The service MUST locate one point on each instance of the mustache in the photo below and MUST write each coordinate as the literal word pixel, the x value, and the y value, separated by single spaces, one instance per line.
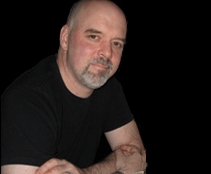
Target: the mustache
pixel 102 61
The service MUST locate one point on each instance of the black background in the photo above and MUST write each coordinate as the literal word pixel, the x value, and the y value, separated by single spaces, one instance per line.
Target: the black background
pixel 30 32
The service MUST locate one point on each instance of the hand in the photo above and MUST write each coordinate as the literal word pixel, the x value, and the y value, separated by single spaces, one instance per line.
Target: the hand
pixel 57 166
pixel 130 160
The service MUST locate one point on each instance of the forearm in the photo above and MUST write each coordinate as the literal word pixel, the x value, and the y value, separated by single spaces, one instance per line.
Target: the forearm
pixel 108 165
pixel 127 160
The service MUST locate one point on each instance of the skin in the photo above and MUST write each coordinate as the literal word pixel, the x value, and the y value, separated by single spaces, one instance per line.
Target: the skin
pixel 90 38
pixel 92 44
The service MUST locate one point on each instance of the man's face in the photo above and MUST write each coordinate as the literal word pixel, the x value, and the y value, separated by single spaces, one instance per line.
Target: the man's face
pixel 95 46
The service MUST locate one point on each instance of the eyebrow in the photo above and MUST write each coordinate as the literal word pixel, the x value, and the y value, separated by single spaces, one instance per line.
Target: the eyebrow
pixel 92 31
pixel 99 32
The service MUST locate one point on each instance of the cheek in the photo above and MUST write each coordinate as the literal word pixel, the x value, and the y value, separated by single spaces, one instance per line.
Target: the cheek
pixel 116 61
pixel 87 50
pixel 83 52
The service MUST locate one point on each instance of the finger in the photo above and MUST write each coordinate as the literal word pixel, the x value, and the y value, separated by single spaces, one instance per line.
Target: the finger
pixel 126 153
pixel 116 148
pixel 143 152
pixel 129 148
pixel 60 169
pixel 47 165
pixel 119 152
pixel 125 147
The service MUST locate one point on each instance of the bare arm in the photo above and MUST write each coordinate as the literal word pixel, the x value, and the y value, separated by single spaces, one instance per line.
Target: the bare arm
pixel 128 139
pixel 128 163
pixel 108 165
pixel 127 134
pixel 58 166
pixel 18 169
pixel 128 155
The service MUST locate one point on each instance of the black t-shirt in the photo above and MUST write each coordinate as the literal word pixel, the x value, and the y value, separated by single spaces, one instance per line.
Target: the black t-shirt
pixel 42 119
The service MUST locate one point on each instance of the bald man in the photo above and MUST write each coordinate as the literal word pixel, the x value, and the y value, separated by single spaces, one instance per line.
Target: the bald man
pixel 54 115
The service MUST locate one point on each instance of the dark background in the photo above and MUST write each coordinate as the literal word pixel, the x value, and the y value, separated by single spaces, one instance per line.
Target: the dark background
pixel 30 32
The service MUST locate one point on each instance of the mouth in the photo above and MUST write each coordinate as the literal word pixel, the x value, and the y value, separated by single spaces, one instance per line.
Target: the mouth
pixel 100 66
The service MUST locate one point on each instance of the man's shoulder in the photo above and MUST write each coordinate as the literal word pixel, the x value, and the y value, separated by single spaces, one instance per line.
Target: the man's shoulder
pixel 37 78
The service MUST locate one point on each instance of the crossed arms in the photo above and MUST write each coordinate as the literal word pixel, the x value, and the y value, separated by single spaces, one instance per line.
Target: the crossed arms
pixel 128 157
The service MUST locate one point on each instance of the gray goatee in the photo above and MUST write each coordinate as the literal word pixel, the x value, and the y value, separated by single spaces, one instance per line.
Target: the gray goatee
pixel 96 80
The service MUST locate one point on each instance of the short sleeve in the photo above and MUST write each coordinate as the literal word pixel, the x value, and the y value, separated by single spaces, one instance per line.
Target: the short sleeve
pixel 28 128
pixel 119 112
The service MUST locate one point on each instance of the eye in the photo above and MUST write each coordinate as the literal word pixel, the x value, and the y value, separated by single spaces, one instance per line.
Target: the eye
pixel 93 37
pixel 118 44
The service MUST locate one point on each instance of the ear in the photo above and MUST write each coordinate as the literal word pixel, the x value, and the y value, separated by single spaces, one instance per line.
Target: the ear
pixel 64 33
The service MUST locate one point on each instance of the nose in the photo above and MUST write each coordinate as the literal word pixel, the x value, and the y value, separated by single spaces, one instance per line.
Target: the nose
pixel 105 50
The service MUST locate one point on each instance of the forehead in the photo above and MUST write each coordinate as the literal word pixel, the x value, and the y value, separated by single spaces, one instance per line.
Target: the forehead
pixel 102 17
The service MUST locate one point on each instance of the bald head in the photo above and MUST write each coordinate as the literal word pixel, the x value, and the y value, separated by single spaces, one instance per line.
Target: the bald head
pixel 91 44
pixel 83 9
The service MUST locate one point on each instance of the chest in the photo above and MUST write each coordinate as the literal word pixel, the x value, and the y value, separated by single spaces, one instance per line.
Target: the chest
pixel 80 129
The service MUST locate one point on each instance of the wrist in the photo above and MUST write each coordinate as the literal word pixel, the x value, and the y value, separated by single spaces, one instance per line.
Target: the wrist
pixel 108 165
